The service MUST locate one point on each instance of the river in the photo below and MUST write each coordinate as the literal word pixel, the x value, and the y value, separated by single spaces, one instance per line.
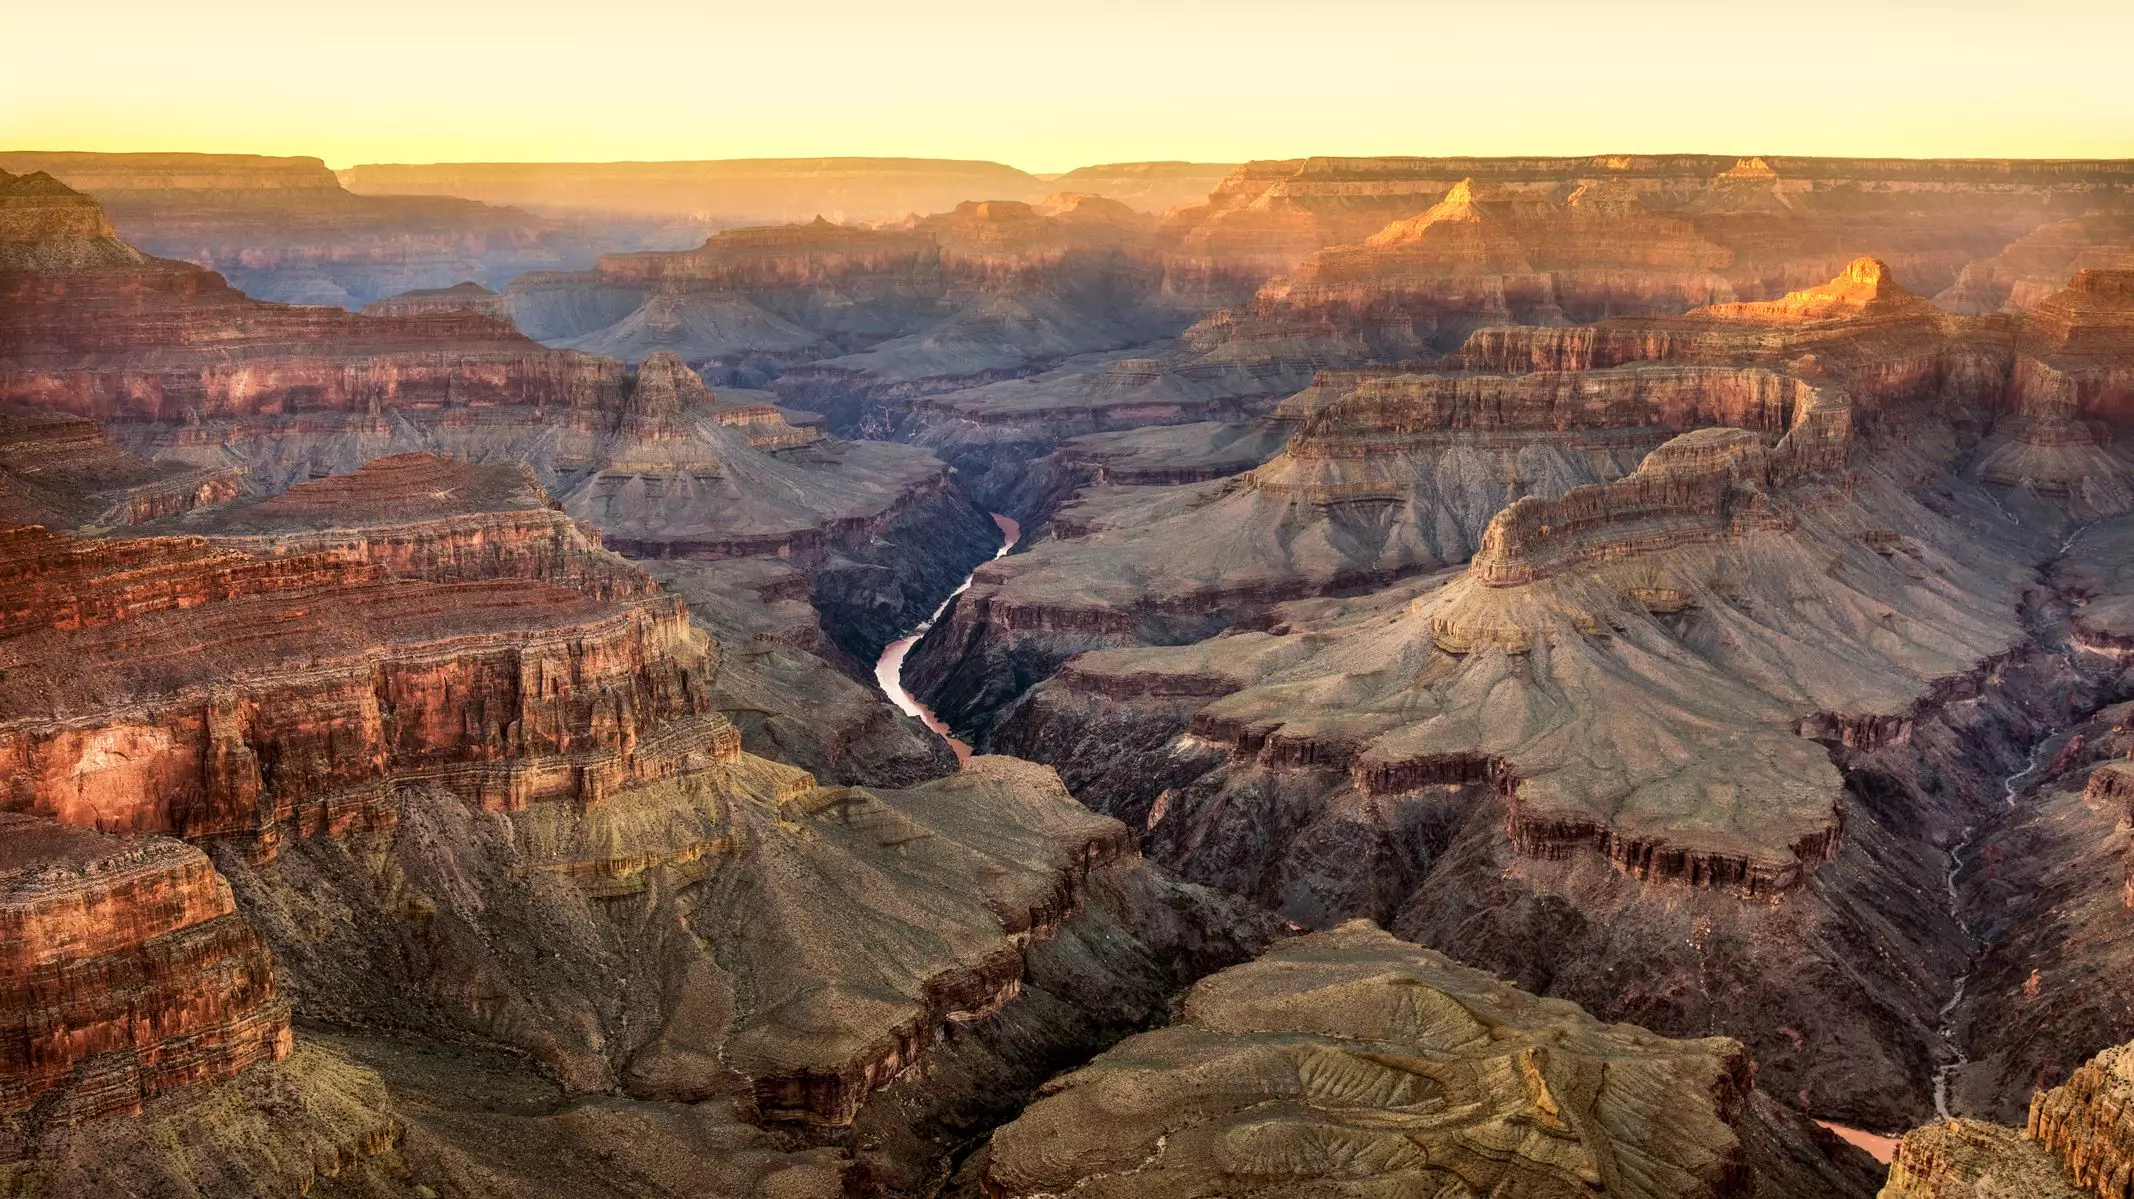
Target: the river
pixel 889 668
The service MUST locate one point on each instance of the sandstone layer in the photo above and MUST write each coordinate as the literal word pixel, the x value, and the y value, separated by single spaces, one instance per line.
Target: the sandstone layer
pixel 127 973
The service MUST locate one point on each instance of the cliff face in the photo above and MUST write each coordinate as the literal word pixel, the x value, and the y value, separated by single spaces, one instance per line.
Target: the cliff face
pixel 127 973
pixel 284 229
pixel 1426 1075
pixel 171 684
pixel 2073 381
pixel 158 341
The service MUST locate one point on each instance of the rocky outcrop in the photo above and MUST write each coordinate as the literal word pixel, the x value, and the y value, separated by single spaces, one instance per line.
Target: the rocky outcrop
pixel 1350 1055
pixel 1974 1159
pixel 2085 1123
pixel 127 973
pixel 166 684
pixel 2073 376
pixel 466 296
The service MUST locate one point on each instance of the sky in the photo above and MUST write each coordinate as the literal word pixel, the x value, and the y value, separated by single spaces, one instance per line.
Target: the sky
pixel 1050 86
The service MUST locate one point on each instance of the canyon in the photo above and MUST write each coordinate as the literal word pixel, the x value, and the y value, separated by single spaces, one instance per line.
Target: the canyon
pixel 1439 676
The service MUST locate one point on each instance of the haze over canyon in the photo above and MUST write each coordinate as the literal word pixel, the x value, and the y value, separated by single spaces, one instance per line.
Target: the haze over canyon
pixel 1365 676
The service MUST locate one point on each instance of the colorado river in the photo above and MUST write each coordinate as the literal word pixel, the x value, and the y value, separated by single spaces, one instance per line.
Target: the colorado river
pixel 889 668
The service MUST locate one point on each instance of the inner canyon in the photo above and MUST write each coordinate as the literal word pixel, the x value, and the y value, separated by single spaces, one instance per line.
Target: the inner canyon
pixel 815 678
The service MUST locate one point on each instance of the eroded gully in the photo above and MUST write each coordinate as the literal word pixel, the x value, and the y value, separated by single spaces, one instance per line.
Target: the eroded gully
pixel 889 668
pixel 1960 855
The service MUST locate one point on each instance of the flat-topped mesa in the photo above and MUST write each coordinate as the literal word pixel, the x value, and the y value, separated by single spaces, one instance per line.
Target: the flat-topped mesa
pixel 61 472
pixel 467 296
pixel 779 256
pixel 125 972
pixel 164 684
pixel 1339 442
pixel 1348 1060
pixel 421 516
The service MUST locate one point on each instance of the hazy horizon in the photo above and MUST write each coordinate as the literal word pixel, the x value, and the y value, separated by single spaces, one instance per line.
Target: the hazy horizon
pixel 1048 91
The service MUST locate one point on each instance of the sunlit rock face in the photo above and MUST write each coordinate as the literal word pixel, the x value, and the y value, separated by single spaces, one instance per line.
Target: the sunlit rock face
pixel 1348 1056
pixel 126 973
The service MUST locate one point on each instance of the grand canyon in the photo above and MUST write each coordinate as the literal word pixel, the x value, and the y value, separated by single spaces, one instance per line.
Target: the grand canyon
pixel 818 676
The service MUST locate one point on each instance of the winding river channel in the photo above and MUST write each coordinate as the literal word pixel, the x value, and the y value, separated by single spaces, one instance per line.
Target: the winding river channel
pixel 889 668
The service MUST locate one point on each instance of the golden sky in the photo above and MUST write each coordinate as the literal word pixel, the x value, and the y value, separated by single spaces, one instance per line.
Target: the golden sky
pixel 1058 83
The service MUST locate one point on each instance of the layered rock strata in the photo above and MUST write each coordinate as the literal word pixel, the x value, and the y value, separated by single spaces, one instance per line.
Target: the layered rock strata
pixel 127 973
pixel 1350 1057
pixel 2073 383
pixel 63 473
pixel 168 684
pixel 1392 472
pixel 1786 221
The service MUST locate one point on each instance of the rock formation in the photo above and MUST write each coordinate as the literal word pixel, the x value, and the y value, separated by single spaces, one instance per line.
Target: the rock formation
pixel 466 296
pixel 284 229
pixel 1349 1058
pixel 127 972
pixel 1390 472
pixel 182 369
pixel 2073 381
pixel 62 472
pixel 1975 1159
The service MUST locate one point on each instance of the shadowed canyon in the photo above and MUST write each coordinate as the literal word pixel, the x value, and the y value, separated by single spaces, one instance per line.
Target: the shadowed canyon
pixel 1347 676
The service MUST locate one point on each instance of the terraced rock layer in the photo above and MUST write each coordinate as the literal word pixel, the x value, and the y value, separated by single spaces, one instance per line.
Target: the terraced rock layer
pixel 127 973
